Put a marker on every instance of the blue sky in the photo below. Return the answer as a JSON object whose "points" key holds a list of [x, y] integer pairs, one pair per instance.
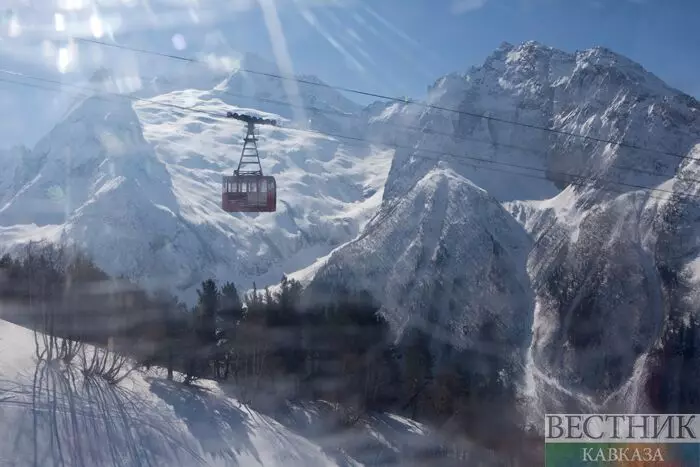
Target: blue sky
{"points": [[401, 46], [395, 47], [417, 41]]}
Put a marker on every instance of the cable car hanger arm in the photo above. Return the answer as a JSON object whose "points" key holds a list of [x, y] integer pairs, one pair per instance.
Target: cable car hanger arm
{"points": [[250, 119]]}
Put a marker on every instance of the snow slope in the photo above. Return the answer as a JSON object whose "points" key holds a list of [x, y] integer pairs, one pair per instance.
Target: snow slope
{"points": [[383, 439], [50, 414]]}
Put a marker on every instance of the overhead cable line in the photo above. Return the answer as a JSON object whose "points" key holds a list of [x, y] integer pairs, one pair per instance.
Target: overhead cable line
{"points": [[344, 115], [394, 99], [427, 131], [586, 179]]}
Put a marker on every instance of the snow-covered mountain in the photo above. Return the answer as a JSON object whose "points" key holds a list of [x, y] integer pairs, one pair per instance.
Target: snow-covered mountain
{"points": [[304, 100], [136, 183], [596, 267], [595, 93], [446, 258], [465, 222]]}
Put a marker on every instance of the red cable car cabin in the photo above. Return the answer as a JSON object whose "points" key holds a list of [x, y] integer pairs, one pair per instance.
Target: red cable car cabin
{"points": [[249, 193], [249, 190]]}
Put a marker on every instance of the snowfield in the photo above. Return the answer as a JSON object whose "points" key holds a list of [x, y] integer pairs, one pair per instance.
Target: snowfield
{"points": [[50, 414]]}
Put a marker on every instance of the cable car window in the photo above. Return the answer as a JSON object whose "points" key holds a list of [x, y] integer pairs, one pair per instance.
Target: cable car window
{"points": [[254, 186], [263, 186], [244, 187]]}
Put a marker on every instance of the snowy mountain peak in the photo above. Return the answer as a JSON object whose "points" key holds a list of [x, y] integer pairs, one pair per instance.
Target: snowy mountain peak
{"points": [[97, 148], [621, 70], [605, 56], [525, 52], [250, 79], [595, 93], [102, 126], [252, 61], [428, 258], [533, 48], [246, 63], [506, 46], [256, 84]]}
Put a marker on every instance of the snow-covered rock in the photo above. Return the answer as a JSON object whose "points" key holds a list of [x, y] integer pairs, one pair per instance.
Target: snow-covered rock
{"points": [[446, 258]]}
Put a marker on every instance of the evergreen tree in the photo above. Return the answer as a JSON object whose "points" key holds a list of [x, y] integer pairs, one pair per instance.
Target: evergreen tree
{"points": [[385, 392], [284, 318], [231, 306], [252, 346], [690, 366], [253, 301], [173, 328], [205, 324], [289, 295], [207, 309], [674, 381], [230, 317]]}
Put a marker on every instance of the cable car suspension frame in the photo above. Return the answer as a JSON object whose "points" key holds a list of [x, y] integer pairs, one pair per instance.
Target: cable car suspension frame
{"points": [[249, 190]]}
